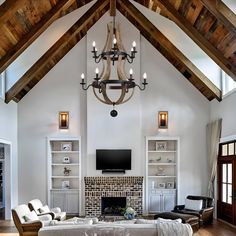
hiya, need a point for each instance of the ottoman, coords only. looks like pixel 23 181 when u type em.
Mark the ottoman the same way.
pixel 186 218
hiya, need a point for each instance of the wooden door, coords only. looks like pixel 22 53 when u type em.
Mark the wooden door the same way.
pixel 226 205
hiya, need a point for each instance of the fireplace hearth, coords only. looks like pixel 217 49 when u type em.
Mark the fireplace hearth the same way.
pixel 113 206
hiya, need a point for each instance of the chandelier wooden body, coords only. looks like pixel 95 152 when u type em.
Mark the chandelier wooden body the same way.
pixel 112 52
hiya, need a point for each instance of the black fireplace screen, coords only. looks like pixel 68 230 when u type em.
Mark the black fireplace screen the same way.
pixel 113 205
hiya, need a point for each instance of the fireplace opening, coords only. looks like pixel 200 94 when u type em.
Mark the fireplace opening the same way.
pixel 113 206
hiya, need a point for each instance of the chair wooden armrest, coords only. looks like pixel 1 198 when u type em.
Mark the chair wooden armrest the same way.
pixel 52 214
pixel 33 226
pixel 207 215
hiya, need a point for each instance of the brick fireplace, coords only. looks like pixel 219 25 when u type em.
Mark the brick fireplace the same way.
pixel 130 187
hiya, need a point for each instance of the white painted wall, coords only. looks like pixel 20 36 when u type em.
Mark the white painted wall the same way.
pixel 189 113
pixel 227 111
pixel 8 134
pixel 38 118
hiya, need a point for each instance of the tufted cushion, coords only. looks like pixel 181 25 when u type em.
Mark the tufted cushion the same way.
pixel 31 216
pixel 44 209
pixel 195 205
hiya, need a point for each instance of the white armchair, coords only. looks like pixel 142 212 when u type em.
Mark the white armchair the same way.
pixel 27 222
pixel 40 209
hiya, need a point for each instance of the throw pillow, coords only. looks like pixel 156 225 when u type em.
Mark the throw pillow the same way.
pixel 84 221
pixel 195 205
pixel 44 209
pixel 32 216
pixel 169 220
pixel 143 221
pixel 125 222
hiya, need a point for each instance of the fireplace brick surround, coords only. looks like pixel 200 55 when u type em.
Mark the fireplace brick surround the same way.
pixel 130 187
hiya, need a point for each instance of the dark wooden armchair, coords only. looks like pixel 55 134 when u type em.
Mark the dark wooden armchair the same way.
pixel 205 214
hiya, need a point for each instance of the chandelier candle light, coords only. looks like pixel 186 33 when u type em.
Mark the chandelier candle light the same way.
pixel 113 52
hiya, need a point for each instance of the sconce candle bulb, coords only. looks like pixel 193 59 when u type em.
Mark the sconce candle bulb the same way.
pixel 63 120
pixel 163 119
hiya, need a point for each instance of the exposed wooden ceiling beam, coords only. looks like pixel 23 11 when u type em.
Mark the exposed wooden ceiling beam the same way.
pixel 167 49
pixel 57 51
pixel 37 30
pixel 221 12
pixel 81 3
pixel 8 8
pixel 112 7
pixel 196 36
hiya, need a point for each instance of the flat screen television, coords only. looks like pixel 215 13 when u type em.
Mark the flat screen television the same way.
pixel 113 159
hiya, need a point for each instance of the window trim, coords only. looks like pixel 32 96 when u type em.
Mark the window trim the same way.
pixel 3 88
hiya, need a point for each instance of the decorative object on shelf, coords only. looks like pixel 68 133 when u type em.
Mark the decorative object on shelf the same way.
pixel 66 171
pixel 163 120
pixel 153 184
pixel 66 160
pixel 161 185
pixel 151 161
pixel 129 213
pixel 161 146
pixel 63 120
pixel 169 160
pixel 170 185
pixel 103 84
pixel 66 146
pixel 1 152
pixel 161 171
pixel 65 184
pixel 158 159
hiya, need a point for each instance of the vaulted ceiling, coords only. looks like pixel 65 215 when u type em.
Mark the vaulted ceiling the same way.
pixel 210 24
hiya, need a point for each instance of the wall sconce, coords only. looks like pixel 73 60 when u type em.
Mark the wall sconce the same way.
pixel 63 120
pixel 163 120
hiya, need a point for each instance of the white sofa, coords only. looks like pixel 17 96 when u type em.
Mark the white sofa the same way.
pixel 79 230
pixel 144 229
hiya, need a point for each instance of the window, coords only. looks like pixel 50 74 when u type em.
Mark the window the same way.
pixel 227 183
pixel 228 84
pixel 2 85
pixel 228 149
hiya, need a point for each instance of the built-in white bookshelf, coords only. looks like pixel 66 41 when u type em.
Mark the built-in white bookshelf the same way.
pixel 64 173
pixel 162 154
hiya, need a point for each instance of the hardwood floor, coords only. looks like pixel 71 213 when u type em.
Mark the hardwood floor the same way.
pixel 218 228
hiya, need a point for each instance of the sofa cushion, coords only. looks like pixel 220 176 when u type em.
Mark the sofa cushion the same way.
pixel 44 209
pixel 31 216
pixel 195 205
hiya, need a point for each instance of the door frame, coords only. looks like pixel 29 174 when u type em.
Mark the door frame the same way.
pixel 8 177
pixel 226 159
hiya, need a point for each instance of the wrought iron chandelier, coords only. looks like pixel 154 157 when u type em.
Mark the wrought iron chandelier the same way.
pixel 113 52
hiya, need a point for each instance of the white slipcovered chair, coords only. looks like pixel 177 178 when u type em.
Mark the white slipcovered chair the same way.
pixel 39 208
pixel 27 222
